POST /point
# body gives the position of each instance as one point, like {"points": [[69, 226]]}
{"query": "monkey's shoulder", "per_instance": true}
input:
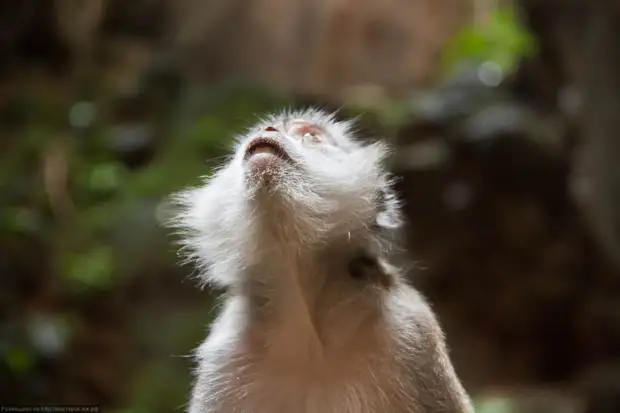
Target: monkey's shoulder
{"points": [[411, 316]]}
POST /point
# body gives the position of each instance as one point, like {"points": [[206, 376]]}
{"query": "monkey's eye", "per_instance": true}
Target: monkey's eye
{"points": [[312, 136]]}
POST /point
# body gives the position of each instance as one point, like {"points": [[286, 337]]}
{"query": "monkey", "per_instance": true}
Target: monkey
{"points": [[294, 227]]}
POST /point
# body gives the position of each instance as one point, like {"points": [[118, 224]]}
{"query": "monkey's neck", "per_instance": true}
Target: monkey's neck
{"points": [[280, 292], [288, 265], [281, 284], [282, 270]]}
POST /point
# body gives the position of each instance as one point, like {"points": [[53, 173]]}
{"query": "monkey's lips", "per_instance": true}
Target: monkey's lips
{"points": [[266, 148]]}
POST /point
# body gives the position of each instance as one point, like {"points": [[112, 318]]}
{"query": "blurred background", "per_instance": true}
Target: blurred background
{"points": [[504, 113]]}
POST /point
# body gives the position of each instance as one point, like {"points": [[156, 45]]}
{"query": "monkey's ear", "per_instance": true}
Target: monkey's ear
{"points": [[389, 216]]}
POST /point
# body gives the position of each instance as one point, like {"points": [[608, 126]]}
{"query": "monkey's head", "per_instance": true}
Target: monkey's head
{"points": [[297, 177]]}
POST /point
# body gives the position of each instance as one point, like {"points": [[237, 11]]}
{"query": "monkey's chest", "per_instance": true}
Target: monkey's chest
{"points": [[272, 383], [350, 367], [272, 387]]}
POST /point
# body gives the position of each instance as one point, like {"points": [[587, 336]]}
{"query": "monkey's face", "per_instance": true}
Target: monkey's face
{"points": [[286, 151], [308, 150], [311, 162], [284, 147]]}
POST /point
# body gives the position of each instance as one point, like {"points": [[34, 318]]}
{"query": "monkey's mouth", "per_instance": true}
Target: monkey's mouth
{"points": [[267, 146]]}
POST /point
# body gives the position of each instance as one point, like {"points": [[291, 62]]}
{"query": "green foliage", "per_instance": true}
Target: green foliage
{"points": [[19, 360], [494, 405], [501, 39], [106, 176], [93, 268], [20, 220]]}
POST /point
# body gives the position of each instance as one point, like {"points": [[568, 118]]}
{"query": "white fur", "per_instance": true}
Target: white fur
{"points": [[296, 333]]}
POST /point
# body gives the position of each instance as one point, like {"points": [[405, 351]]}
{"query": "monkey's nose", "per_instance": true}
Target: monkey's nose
{"points": [[270, 132]]}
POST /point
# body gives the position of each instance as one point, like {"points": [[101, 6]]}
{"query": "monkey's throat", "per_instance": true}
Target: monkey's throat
{"points": [[283, 299]]}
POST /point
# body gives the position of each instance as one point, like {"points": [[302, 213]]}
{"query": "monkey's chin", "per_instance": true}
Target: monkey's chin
{"points": [[265, 167]]}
